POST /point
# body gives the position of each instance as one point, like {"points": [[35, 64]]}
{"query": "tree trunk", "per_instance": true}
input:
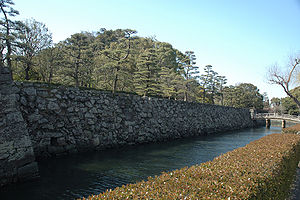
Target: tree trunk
{"points": [[77, 69], [186, 92], [51, 70], [27, 71], [8, 44], [212, 101], [116, 79], [50, 75], [204, 95], [76, 75], [222, 99]]}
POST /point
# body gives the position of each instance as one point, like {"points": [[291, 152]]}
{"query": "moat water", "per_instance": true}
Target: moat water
{"points": [[81, 175]]}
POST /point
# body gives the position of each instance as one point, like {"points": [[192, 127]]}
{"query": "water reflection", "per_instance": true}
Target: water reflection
{"points": [[91, 173]]}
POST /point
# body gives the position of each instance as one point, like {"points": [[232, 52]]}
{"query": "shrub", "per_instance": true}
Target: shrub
{"points": [[292, 130], [263, 169]]}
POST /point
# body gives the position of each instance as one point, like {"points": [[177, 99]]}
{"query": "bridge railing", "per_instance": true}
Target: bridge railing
{"points": [[276, 116]]}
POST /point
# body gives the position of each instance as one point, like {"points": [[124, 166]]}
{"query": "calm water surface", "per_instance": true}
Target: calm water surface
{"points": [[80, 175]]}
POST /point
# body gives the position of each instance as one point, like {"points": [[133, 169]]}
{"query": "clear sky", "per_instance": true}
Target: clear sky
{"points": [[239, 38]]}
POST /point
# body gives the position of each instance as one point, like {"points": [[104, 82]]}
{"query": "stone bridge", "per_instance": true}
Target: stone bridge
{"points": [[275, 116]]}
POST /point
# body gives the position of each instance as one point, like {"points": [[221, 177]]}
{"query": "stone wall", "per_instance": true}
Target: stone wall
{"points": [[64, 120], [17, 161]]}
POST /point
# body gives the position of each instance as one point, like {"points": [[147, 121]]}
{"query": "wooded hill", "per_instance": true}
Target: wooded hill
{"points": [[115, 60]]}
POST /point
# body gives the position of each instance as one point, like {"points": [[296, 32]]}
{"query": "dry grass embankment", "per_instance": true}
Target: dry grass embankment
{"points": [[263, 169], [292, 130]]}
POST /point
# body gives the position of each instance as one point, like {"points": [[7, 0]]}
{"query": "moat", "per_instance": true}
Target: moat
{"points": [[84, 174]]}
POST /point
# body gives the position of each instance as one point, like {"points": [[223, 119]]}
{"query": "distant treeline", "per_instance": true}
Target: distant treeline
{"points": [[286, 105]]}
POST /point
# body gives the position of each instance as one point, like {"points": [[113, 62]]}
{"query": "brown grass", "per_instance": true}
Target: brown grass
{"points": [[263, 169], [292, 130]]}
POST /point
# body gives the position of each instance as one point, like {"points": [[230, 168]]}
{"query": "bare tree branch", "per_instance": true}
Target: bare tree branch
{"points": [[275, 76]]}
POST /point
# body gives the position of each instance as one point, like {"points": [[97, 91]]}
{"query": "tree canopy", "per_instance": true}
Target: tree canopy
{"points": [[115, 60], [9, 32], [244, 95], [289, 104]]}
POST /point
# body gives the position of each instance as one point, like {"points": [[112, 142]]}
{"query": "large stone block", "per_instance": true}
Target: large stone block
{"points": [[53, 106], [5, 76], [30, 91], [16, 151]]}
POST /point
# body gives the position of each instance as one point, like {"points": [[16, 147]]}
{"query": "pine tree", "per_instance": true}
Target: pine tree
{"points": [[206, 79], [47, 63], [190, 72], [9, 32], [118, 52], [220, 82], [75, 59], [168, 82], [146, 78]]}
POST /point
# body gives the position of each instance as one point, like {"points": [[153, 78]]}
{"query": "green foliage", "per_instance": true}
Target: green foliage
{"points": [[76, 59], [168, 80], [47, 64], [212, 86], [166, 55], [275, 105], [244, 95], [34, 38], [190, 70], [9, 32], [118, 57], [263, 169], [190, 73], [146, 77], [275, 101], [117, 60], [289, 104]]}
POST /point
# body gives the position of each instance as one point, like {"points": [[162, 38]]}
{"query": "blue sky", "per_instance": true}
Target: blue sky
{"points": [[239, 38]]}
